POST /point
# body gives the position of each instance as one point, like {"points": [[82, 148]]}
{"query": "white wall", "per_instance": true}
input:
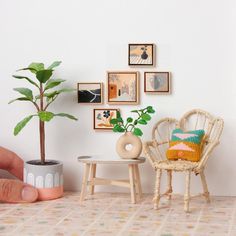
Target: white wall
{"points": [[196, 42]]}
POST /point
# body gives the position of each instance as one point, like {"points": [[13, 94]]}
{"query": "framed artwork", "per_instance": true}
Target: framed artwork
{"points": [[141, 55], [102, 118], [90, 93], [123, 87], [157, 82]]}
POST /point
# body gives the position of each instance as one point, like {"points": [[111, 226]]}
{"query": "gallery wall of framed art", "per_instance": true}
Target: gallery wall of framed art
{"points": [[123, 87]]}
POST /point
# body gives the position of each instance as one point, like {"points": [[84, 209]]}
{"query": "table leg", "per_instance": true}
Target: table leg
{"points": [[92, 176], [132, 183], [84, 182], [137, 180]]}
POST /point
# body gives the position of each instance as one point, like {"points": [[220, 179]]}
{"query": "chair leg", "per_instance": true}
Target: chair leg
{"points": [[169, 182], [187, 191], [157, 194], [204, 185]]}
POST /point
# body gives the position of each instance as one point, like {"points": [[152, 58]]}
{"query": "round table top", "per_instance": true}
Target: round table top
{"points": [[106, 159]]}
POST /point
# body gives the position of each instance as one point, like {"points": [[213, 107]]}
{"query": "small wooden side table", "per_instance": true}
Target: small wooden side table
{"points": [[90, 179]]}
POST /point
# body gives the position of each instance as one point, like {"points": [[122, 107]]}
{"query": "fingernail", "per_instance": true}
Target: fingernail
{"points": [[29, 194]]}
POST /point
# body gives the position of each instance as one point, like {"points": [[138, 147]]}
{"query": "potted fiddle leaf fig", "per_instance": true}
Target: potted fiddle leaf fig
{"points": [[131, 132], [45, 175]]}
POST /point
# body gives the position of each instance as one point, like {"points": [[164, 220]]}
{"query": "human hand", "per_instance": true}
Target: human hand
{"points": [[14, 191]]}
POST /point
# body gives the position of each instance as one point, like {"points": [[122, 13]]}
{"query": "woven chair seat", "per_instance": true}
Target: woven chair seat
{"points": [[179, 165]]}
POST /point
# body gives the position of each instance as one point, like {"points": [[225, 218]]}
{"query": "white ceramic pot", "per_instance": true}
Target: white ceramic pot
{"points": [[48, 178], [129, 146]]}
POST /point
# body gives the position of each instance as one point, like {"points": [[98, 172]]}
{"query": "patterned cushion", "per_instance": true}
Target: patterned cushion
{"points": [[185, 145]]}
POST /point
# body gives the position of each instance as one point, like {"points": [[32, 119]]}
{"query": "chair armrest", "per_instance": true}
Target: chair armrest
{"points": [[151, 152], [206, 154]]}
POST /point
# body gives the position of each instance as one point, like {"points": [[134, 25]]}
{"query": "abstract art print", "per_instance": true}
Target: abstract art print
{"points": [[157, 82], [90, 93], [141, 55], [102, 118], [123, 88]]}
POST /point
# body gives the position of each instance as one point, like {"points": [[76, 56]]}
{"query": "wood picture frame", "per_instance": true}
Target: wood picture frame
{"points": [[90, 93], [141, 54], [102, 117], [157, 82], [123, 87]]}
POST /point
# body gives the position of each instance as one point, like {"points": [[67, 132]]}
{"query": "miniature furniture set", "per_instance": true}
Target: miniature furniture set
{"points": [[181, 146], [90, 179]]}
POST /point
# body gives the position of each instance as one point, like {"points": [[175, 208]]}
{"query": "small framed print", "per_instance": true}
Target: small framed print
{"points": [[141, 55], [122, 87], [157, 82], [90, 93], [102, 118]]}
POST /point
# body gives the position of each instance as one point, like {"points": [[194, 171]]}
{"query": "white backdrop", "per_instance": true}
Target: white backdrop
{"points": [[195, 41]]}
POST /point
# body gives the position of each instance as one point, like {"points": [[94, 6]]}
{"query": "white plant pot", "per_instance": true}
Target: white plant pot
{"points": [[48, 178]]}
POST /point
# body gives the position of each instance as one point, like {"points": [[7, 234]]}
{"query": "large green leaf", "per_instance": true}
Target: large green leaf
{"points": [[22, 124], [26, 92], [66, 115], [19, 99], [54, 64], [137, 132], [53, 83], [36, 66], [45, 115], [43, 75], [26, 78]]}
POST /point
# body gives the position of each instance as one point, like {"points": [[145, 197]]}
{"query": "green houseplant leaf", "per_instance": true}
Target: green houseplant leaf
{"points": [[45, 115], [146, 117], [43, 75], [142, 122], [118, 128], [26, 78], [137, 132], [129, 119], [66, 115], [19, 99], [150, 110], [22, 124], [26, 92], [36, 66], [53, 83], [113, 121], [54, 64]]}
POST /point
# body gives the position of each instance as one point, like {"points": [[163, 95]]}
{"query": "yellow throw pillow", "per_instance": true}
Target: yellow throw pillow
{"points": [[185, 145]]}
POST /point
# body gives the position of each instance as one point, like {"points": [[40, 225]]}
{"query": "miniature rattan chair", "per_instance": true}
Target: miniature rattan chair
{"points": [[155, 151]]}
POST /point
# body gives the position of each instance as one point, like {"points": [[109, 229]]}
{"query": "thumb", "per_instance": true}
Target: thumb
{"points": [[15, 191]]}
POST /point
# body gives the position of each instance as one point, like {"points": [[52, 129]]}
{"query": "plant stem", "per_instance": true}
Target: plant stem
{"points": [[42, 129]]}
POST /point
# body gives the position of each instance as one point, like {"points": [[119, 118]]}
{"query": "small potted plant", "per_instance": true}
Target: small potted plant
{"points": [[45, 175], [131, 132]]}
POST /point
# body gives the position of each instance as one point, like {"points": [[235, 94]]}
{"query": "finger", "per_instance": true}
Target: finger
{"points": [[15, 191], [11, 162]]}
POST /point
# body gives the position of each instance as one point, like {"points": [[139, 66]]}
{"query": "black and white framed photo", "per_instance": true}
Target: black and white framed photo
{"points": [[90, 93]]}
